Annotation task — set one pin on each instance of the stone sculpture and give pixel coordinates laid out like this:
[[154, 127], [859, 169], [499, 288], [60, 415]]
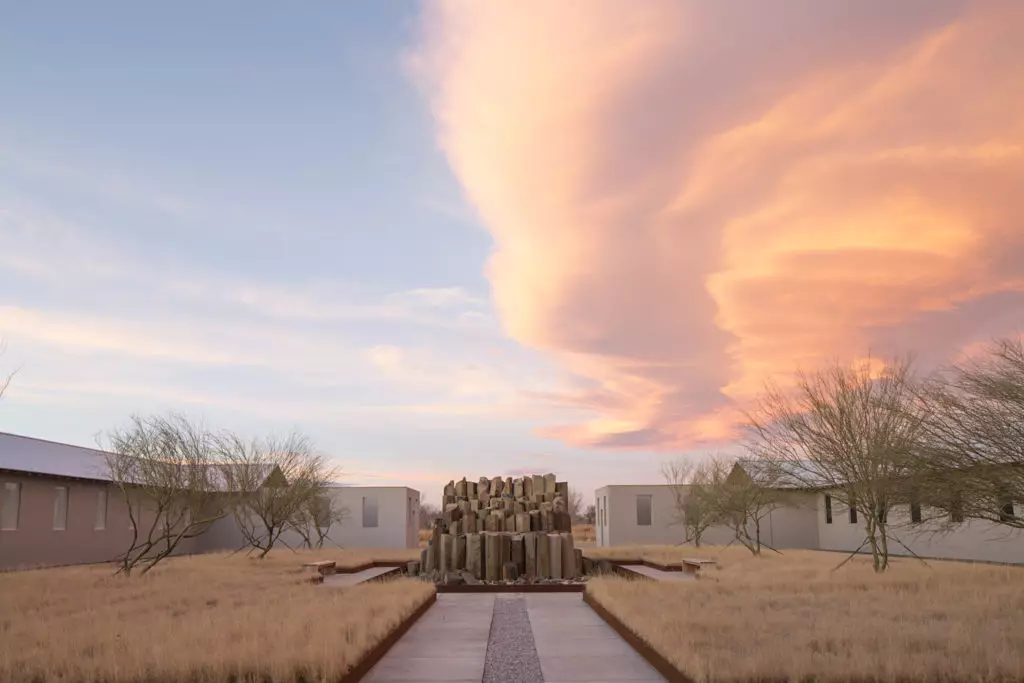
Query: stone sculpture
[[503, 529]]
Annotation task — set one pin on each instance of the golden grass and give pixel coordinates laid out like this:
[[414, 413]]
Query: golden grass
[[583, 534], [789, 617], [659, 554], [206, 618]]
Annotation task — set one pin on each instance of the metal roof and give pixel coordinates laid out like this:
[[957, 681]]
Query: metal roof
[[801, 474], [37, 456]]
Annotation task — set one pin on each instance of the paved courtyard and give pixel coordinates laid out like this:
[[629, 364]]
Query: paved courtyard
[[511, 637]]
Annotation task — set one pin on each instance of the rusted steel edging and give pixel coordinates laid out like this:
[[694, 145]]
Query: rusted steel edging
[[377, 652], [512, 588], [643, 648]]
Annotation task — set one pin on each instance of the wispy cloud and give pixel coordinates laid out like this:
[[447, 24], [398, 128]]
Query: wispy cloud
[[689, 197]]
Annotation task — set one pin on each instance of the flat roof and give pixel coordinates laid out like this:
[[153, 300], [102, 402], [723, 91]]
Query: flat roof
[[39, 456]]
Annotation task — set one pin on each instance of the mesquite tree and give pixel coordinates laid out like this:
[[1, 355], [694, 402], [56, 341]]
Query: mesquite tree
[[973, 466], [165, 470], [273, 479], [855, 431], [693, 506]]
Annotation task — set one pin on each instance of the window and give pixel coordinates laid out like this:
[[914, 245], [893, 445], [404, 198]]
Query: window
[[828, 509], [101, 510], [1006, 513], [12, 503], [915, 513], [369, 511], [853, 509], [604, 510], [643, 510], [60, 508]]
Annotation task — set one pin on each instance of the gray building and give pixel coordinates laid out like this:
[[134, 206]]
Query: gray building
[[59, 507]]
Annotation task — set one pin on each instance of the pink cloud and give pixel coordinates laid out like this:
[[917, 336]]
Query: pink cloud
[[688, 197]]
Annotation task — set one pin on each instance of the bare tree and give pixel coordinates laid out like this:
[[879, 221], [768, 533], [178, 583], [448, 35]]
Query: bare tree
[[315, 517], [5, 380], [693, 505], [590, 515], [575, 505], [171, 485], [272, 480], [740, 495], [428, 513], [973, 467], [851, 431]]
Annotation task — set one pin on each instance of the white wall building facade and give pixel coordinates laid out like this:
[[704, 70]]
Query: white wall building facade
[[375, 517], [645, 515]]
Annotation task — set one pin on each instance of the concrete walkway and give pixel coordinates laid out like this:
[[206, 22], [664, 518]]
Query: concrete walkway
[[657, 574], [342, 580], [448, 643], [574, 644]]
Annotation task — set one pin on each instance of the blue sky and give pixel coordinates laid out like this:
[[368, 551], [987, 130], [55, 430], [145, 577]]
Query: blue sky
[[474, 238], [241, 211]]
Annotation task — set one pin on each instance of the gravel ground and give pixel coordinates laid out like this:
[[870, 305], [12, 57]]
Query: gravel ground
[[511, 653]]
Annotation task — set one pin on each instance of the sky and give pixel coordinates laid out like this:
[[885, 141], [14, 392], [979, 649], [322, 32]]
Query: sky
[[489, 238]]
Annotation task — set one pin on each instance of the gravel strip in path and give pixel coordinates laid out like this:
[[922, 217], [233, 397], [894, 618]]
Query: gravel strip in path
[[511, 652]]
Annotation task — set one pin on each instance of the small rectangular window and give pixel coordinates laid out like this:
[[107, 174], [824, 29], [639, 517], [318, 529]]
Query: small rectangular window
[[369, 511], [11, 507], [915, 513], [853, 509], [60, 508], [101, 510], [828, 509], [643, 510], [605, 510], [1006, 512]]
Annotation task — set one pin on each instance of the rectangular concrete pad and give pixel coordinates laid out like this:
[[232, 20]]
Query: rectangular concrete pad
[[342, 580], [575, 644], [448, 643], [657, 574]]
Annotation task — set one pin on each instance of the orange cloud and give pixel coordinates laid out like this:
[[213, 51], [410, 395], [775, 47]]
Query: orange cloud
[[688, 197]]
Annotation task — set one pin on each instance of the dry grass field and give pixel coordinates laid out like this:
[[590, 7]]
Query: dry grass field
[[207, 618], [660, 554], [789, 617], [583, 534]]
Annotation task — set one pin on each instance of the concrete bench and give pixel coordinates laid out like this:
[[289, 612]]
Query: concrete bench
[[692, 565], [321, 568]]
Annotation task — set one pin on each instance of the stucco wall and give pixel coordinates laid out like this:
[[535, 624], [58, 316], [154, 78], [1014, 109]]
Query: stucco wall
[[35, 543], [397, 522], [793, 526], [972, 540]]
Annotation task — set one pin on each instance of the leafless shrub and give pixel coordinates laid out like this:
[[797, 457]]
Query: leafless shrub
[[315, 517], [5, 380], [741, 500], [973, 467], [272, 480], [855, 431], [575, 505], [171, 485], [693, 505]]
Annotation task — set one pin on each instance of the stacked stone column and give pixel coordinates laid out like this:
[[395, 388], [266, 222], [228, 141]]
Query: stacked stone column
[[508, 526]]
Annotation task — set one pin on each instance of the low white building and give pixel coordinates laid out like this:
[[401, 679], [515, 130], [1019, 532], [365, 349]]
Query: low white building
[[641, 515], [374, 517], [646, 515]]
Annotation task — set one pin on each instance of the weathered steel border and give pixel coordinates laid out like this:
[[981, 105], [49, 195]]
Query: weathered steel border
[[512, 588], [643, 648], [377, 652]]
